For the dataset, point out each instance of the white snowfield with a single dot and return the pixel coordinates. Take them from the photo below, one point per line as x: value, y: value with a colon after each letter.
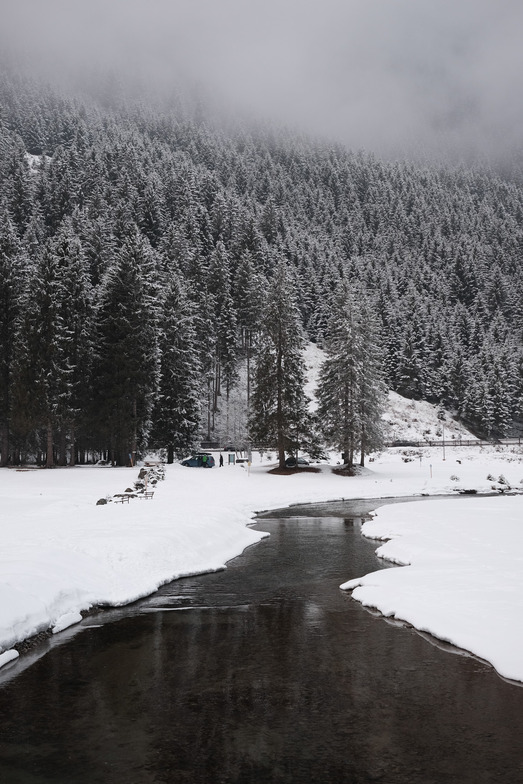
x: 61, y: 553
x: 463, y: 575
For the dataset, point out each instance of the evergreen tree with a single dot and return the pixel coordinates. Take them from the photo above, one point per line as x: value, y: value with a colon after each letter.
x: 11, y: 271
x: 279, y: 416
x: 177, y: 410
x: 127, y: 362
x: 225, y: 321
x: 42, y: 379
x: 249, y: 296
x: 372, y: 391
x: 410, y: 365
x: 249, y: 292
x: 204, y: 308
x: 351, y: 389
x: 76, y: 315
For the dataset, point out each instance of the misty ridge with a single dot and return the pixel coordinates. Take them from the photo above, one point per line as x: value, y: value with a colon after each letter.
x: 398, y: 77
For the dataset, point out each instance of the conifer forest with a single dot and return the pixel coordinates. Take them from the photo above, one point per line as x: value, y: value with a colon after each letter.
x: 149, y: 255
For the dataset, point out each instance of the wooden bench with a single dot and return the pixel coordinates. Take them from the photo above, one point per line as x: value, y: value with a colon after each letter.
x: 122, y: 499
x: 148, y: 494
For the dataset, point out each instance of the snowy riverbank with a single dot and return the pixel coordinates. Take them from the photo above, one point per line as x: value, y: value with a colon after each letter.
x: 62, y: 554
x: 463, y: 575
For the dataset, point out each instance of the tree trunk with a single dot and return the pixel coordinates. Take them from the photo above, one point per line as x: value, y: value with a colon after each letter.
x: 209, y: 406
x: 213, y: 407
x: 347, y: 435
x: 4, y: 444
x: 279, y: 410
x: 49, y: 462
x: 248, y: 340
x: 363, y: 442
x: 72, y: 460
x: 63, y: 448
x: 217, y: 383
x: 227, y: 412
x: 134, y: 444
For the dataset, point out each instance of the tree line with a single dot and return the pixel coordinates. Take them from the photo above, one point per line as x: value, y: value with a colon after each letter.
x: 138, y: 245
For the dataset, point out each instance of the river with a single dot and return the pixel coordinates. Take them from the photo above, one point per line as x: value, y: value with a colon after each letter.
x: 264, y: 672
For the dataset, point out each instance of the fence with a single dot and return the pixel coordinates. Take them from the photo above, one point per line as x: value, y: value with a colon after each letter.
x: 457, y: 442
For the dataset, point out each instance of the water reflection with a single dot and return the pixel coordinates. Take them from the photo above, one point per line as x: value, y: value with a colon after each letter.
x: 266, y: 672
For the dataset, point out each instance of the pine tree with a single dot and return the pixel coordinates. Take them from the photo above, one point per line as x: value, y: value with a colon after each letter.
x: 53, y: 344
x: 225, y: 321
x: 372, y: 384
x: 351, y: 388
x: 249, y: 292
x: 203, y: 304
x: 279, y: 416
x: 42, y: 379
x: 249, y: 295
x: 11, y: 271
x: 76, y: 315
x: 177, y: 410
x: 151, y: 209
x: 127, y: 362
x: 410, y: 363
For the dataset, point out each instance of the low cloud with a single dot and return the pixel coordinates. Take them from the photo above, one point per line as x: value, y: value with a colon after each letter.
x: 379, y: 74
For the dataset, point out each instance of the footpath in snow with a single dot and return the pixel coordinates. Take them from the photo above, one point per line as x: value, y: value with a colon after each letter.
x: 62, y: 554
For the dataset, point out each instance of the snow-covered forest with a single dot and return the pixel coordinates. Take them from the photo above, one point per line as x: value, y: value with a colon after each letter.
x: 138, y: 242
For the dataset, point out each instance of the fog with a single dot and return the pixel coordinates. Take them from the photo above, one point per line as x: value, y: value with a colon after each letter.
x: 379, y: 74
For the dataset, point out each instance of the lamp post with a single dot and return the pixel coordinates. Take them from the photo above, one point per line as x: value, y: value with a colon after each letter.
x: 443, y: 430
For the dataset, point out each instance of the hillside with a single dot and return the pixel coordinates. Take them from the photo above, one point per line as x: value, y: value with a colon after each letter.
x: 129, y: 228
x: 404, y: 419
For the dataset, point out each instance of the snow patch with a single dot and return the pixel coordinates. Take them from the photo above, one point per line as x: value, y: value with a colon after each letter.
x: 66, y: 620
x: 417, y: 420
x: 8, y: 656
x: 35, y: 161
x: 314, y: 358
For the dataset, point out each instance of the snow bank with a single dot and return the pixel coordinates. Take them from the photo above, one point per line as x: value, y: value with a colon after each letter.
x: 8, y: 656
x: 65, y: 621
x: 61, y: 553
x: 463, y: 579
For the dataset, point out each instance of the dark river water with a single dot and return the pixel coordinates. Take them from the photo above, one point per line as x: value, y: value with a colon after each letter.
x: 265, y: 672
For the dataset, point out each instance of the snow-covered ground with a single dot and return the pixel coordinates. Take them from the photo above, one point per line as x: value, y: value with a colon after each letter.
x: 464, y: 579
x: 61, y: 553
x: 417, y: 420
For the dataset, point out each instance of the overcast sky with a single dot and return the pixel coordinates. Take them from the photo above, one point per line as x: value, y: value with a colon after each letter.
x: 378, y: 74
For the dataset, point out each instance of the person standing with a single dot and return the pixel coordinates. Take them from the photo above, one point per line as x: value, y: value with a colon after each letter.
x: 221, y: 460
